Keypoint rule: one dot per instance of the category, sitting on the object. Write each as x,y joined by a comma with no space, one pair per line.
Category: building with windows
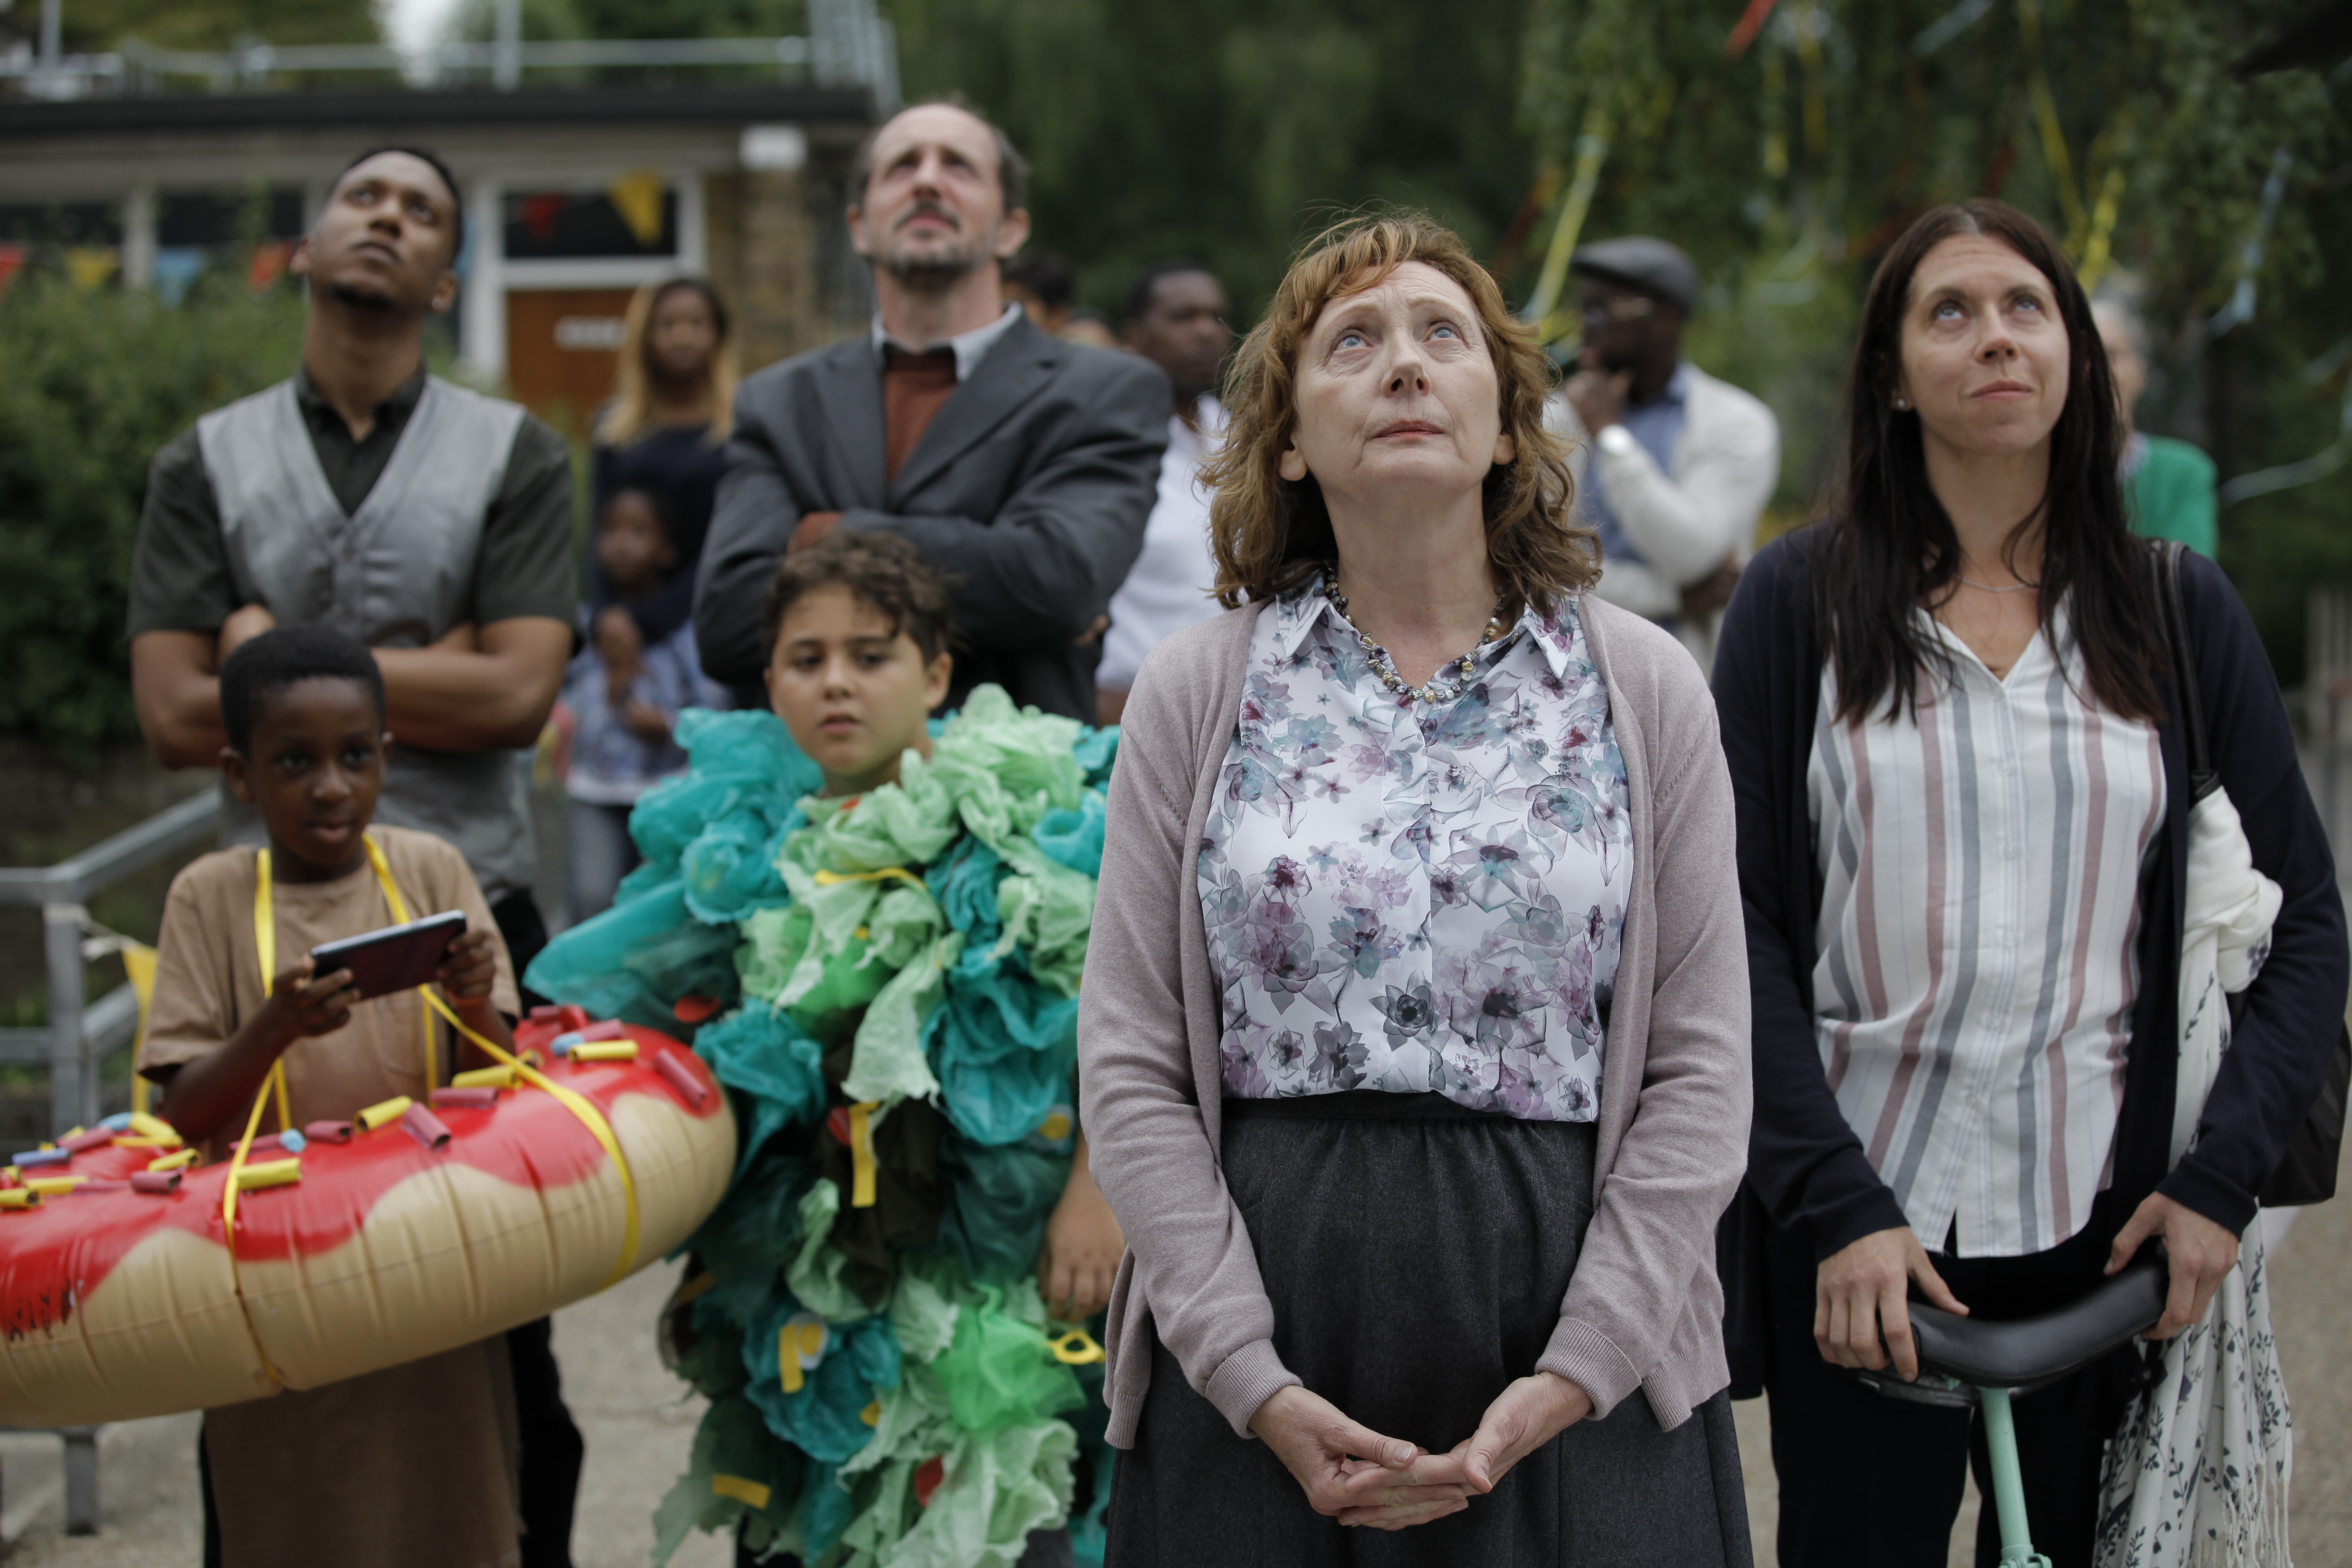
575,196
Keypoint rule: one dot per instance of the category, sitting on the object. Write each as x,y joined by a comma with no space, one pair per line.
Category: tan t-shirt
208,972
414,1464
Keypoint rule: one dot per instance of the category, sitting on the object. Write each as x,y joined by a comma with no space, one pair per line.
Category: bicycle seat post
2008,1484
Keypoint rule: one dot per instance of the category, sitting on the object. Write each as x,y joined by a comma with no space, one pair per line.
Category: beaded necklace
1385,667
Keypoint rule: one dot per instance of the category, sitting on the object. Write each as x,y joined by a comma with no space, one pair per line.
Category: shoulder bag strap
2202,780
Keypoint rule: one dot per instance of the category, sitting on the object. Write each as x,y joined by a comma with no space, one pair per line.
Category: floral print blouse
1412,896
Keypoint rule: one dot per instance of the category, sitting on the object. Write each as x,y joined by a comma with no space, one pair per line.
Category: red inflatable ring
435,1227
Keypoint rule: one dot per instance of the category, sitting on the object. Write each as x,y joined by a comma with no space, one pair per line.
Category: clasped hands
1355,1475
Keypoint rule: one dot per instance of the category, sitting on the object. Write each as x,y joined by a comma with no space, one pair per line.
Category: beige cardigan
1644,1308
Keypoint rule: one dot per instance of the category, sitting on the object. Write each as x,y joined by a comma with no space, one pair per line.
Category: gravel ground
638,1420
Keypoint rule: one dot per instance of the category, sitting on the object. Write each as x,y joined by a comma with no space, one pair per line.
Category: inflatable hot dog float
413,1230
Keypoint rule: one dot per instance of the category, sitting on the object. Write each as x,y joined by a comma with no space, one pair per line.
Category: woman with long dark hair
1963,807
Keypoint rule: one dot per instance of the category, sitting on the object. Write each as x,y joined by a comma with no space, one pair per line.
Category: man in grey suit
1023,467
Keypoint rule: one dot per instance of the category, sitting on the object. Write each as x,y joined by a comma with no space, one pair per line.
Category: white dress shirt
1167,588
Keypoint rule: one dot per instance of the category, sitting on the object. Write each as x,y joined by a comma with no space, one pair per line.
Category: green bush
92,383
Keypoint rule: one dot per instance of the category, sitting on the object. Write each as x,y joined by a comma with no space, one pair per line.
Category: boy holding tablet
414,1464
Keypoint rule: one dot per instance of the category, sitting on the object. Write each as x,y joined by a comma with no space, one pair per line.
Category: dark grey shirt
179,576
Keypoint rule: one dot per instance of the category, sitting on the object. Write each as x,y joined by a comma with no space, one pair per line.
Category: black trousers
552,1448
1874,1482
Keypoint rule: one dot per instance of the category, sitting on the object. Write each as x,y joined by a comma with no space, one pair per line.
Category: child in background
414,1464
625,699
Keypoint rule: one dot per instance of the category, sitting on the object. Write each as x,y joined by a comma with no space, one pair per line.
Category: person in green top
2167,484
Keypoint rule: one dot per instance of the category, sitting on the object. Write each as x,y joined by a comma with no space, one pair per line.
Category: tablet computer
393,959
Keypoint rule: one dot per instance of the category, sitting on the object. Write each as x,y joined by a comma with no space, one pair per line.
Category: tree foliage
1786,168
92,383
1846,120
1229,130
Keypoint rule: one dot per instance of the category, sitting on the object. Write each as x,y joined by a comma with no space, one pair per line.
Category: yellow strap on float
228,1199
265,940
1076,1348
589,1118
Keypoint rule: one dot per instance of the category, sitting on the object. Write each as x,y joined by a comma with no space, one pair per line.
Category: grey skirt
1416,1253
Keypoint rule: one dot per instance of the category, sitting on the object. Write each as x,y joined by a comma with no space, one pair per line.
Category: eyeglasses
1617,306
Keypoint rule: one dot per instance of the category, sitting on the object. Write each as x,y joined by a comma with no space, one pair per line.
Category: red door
563,351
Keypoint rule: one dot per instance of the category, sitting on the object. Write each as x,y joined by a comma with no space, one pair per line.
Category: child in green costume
882,1309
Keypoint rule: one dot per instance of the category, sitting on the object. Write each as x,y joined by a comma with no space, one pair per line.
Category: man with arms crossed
1023,467
433,523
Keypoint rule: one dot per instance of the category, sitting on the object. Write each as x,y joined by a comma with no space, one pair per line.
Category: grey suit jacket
1030,489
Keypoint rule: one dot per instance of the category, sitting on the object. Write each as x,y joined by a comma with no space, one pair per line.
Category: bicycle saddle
1958,1355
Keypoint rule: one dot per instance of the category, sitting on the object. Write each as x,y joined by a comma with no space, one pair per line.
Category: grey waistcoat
397,573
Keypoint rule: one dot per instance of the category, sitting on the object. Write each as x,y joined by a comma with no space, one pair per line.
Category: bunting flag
177,269
268,264
1752,22
539,213
12,257
637,198
91,265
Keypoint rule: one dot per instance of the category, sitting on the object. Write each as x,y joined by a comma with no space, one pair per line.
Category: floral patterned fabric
1411,896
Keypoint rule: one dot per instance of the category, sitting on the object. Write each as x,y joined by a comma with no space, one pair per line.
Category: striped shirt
1980,865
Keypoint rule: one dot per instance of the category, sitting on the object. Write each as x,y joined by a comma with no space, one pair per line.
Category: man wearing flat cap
1673,467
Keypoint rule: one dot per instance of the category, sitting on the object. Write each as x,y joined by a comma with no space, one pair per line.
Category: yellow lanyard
265,940
264,934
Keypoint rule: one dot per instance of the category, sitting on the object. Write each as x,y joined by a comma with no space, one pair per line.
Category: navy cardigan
1806,1166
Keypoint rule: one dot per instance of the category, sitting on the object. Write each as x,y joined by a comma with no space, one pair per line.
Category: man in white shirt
1673,467
1175,317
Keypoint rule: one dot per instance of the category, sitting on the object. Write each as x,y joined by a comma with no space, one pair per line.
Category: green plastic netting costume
884,1386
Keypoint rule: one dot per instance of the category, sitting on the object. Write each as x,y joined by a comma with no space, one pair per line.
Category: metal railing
80,1032
849,43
